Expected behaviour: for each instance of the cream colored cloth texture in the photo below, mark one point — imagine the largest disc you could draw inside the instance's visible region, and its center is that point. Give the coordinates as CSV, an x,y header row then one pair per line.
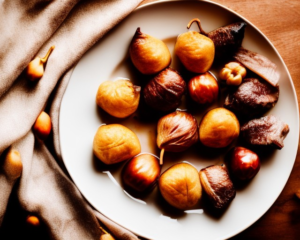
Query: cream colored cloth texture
x,y
28,29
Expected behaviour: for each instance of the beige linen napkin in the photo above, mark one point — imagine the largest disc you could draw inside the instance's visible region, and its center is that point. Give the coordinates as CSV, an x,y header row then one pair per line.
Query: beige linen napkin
x,y
28,29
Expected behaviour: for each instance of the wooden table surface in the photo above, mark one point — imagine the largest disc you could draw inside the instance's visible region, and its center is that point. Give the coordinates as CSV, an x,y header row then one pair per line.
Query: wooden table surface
x,y
279,20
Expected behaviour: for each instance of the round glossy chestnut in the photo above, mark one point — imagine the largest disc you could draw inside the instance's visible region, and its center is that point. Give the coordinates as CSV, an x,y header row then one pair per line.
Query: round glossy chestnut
x,y
244,164
203,88
141,172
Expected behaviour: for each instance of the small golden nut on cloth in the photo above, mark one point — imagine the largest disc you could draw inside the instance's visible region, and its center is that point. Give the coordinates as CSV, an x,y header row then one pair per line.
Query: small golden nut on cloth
x,y
33,221
180,186
218,128
148,54
42,126
114,143
35,69
105,235
12,165
119,98
233,73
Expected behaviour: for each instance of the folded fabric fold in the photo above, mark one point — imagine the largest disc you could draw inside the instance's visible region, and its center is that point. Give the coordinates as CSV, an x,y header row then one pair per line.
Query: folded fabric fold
x,y
28,29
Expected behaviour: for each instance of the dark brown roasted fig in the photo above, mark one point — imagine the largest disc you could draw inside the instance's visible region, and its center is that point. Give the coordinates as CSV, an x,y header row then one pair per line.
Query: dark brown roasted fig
x,y
217,185
258,64
252,98
148,54
176,132
265,131
228,39
165,90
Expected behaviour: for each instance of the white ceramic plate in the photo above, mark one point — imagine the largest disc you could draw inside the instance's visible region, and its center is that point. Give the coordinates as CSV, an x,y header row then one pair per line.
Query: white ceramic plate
x,y
150,217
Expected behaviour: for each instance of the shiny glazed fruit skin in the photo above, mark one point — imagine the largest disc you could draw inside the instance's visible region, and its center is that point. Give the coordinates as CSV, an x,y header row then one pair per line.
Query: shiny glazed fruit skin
x,y
203,88
141,172
42,126
244,164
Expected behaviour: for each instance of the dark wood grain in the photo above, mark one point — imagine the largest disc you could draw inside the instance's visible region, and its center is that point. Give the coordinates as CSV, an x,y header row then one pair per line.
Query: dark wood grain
x,y
279,21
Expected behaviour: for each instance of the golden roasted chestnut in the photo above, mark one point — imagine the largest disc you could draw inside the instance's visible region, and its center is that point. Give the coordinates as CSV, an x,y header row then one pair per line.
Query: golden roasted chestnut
x,y
176,132
148,54
141,172
203,88
195,50
218,128
114,143
180,186
119,98
217,185
243,164
164,91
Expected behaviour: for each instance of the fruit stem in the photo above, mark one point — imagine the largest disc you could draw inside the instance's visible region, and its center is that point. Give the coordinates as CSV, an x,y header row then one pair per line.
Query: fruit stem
x,y
199,25
44,59
103,230
161,156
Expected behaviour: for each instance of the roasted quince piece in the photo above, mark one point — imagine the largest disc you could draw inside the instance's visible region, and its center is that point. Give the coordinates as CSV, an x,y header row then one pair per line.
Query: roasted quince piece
x,y
195,50
217,185
118,98
265,131
218,128
148,54
180,186
252,98
258,64
114,143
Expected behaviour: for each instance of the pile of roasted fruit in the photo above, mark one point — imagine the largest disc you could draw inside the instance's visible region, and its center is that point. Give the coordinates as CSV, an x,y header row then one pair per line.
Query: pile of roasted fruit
x,y
252,87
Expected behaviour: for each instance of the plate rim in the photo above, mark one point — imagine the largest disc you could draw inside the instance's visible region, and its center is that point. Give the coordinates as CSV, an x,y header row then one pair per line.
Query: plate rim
x,y
285,68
